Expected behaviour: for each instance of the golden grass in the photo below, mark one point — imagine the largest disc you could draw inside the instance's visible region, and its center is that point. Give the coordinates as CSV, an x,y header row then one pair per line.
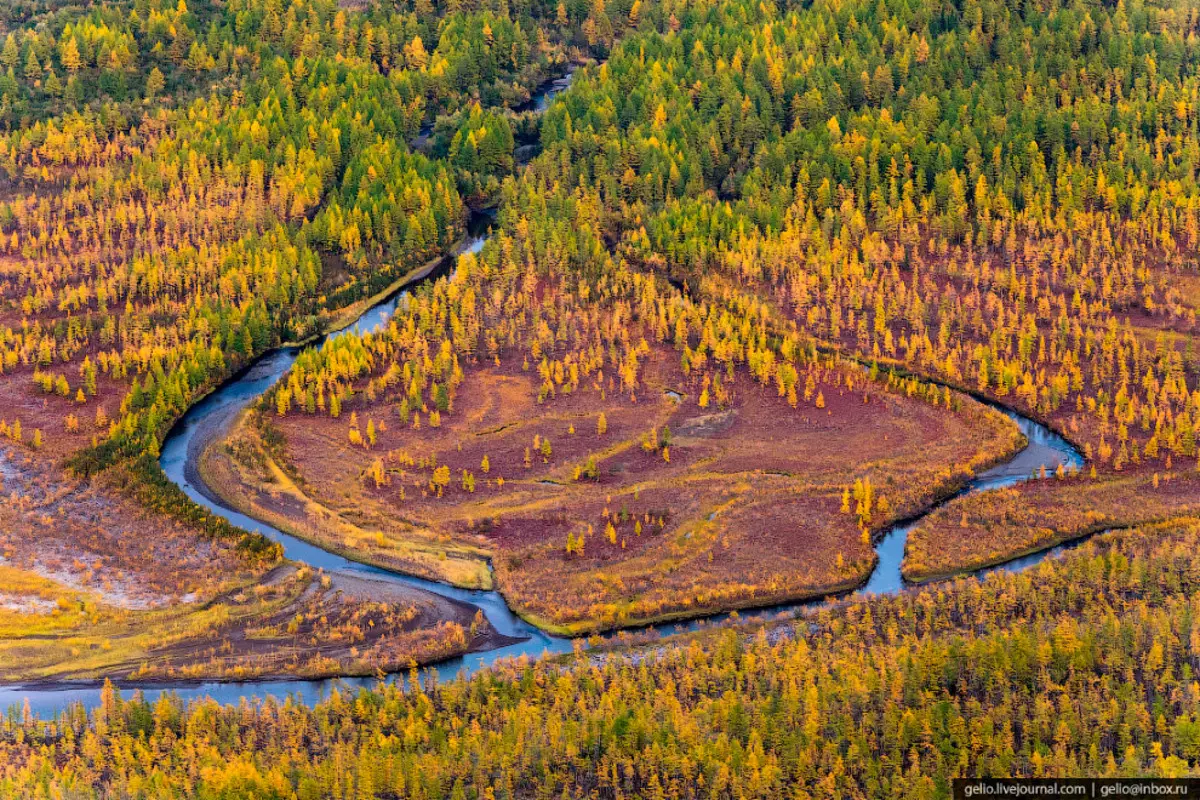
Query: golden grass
x,y
296,623
84,638
412,550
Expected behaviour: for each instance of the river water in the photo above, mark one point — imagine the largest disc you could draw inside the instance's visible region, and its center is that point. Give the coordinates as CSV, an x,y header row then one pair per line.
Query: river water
x,y
210,417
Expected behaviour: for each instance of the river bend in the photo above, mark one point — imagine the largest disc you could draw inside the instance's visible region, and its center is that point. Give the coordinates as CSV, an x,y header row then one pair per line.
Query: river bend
x,y
212,415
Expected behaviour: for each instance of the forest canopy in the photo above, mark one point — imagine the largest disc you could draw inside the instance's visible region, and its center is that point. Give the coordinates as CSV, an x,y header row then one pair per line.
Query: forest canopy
x,y
811,203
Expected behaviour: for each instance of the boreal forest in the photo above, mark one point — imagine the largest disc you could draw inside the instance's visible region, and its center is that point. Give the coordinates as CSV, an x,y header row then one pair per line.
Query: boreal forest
x,y
605,399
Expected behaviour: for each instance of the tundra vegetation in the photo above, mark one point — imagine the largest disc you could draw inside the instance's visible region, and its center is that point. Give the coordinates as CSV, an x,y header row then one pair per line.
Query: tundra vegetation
x,y
181,189
732,321
821,213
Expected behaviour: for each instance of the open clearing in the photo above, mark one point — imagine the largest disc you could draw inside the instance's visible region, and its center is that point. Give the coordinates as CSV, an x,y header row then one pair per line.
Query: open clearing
x,y
664,509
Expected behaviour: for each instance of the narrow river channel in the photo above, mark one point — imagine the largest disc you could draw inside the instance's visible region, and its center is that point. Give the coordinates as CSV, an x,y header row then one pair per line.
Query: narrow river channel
x,y
211,416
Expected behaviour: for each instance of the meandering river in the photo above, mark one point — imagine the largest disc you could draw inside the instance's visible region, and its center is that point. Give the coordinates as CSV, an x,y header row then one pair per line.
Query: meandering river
x,y
211,416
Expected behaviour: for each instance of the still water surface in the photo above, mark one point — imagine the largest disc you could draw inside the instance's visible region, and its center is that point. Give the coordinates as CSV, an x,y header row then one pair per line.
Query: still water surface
x,y
210,417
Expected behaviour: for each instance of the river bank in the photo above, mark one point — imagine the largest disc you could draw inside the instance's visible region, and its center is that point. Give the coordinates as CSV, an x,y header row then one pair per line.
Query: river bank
x,y
258,486
515,637
1044,447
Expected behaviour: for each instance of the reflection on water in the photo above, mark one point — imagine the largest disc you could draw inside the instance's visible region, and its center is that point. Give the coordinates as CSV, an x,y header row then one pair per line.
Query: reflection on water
x,y
1045,449
211,416
540,100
